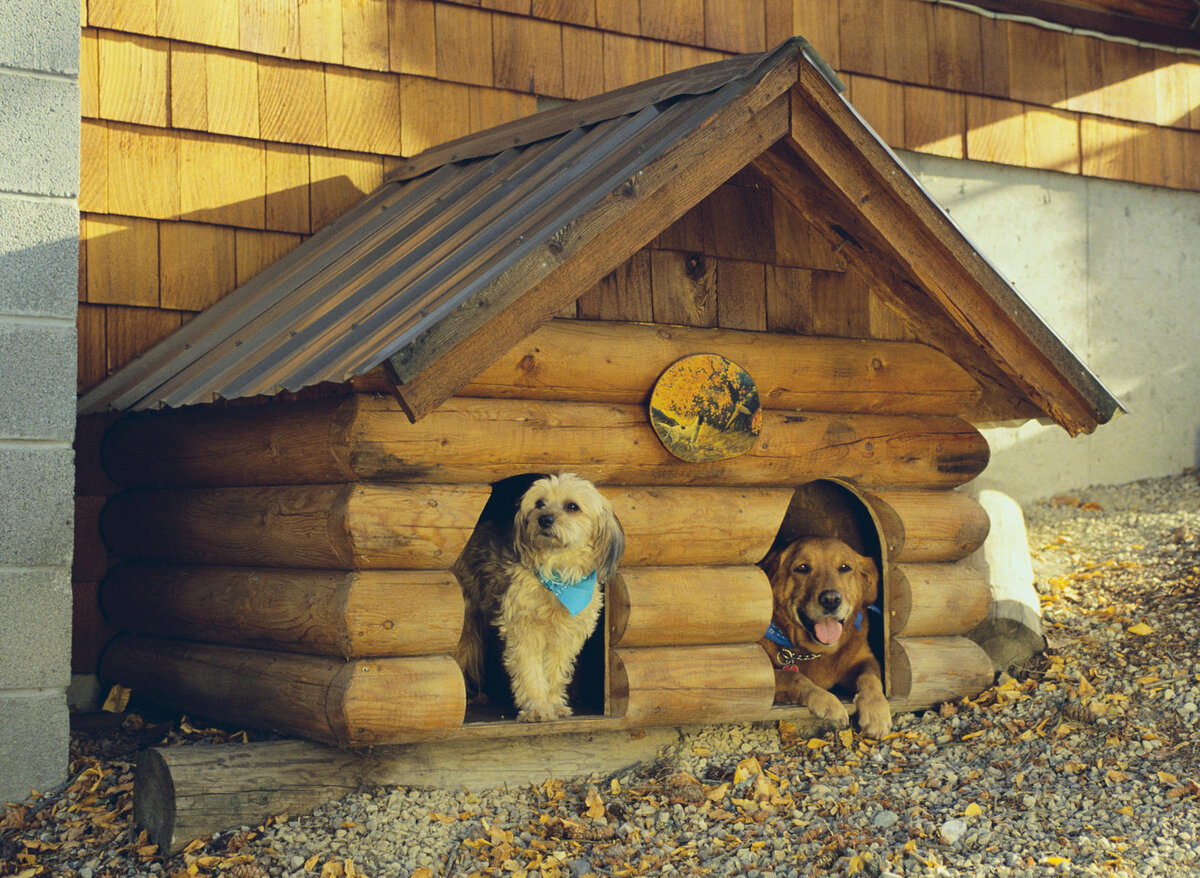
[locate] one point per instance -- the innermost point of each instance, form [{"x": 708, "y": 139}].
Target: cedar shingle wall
[{"x": 218, "y": 133}]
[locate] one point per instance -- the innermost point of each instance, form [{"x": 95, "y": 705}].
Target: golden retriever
[{"x": 823, "y": 591}]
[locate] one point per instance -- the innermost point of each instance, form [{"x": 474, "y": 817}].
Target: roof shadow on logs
[{"x": 472, "y": 245}]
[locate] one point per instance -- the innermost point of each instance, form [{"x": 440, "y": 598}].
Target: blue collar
[{"x": 575, "y": 596}]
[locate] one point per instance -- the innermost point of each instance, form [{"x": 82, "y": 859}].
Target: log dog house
[{"x": 503, "y": 305}]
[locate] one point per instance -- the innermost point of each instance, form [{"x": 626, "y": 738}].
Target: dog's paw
[
  {"x": 874, "y": 716},
  {"x": 827, "y": 706},
  {"x": 544, "y": 712}
]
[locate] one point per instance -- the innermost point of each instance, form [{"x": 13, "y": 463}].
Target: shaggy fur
[
  {"x": 563, "y": 527},
  {"x": 819, "y": 586}
]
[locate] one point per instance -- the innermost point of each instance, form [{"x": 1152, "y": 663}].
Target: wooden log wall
[
  {"x": 348, "y": 703},
  {"x": 309, "y": 543}
]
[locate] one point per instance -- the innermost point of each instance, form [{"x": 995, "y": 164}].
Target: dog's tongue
[{"x": 828, "y": 630}]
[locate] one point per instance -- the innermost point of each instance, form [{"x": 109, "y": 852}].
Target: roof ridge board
[
  {"x": 628, "y": 100},
  {"x": 612, "y": 179},
  {"x": 303, "y": 295},
  {"x": 545, "y": 159}
]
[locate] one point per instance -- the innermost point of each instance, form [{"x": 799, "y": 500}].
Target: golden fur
[
  {"x": 819, "y": 586},
  {"x": 564, "y": 527}
]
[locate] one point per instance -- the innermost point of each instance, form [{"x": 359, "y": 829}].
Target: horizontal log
[
  {"x": 620, "y": 362},
  {"x": 663, "y": 685},
  {"x": 324, "y": 526},
  {"x": 334, "y": 613},
  {"x": 936, "y": 599},
  {"x": 675, "y": 526},
  {"x": 347, "y": 703},
  {"x": 374, "y": 526},
  {"x": 685, "y": 606},
  {"x": 924, "y": 671},
  {"x": 364, "y": 438},
  {"x": 189, "y": 792},
  {"x": 938, "y": 525}
]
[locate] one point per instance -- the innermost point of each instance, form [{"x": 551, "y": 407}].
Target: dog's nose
[
  {"x": 829, "y": 600},
  {"x": 545, "y": 521}
]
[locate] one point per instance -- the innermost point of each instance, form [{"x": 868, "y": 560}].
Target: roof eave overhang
[{"x": 850, "y": 184}]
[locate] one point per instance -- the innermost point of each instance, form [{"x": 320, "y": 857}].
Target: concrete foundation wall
[
  {"x": 39, "y": 263},
  {"x": 1114, "y": 269}
]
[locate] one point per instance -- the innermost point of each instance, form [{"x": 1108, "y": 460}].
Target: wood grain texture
[
  {"x": 936, "y": 599},
  {"x": 350, "y": 704},
  {"x": 339, "y": 527},
  {"x": 480, "y": 440},
  {"x": 686, "y": 606},
  {"x": 929, "y": 670},
  {"x": 655, "y": 686},
  {"x": 189, "y": 792},
  {"x": 616, "y": 362},
  {"x": 332, "y": 613},
  {"x": 939, "y": 526}
]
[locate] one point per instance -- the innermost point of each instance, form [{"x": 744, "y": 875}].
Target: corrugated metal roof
[
  {"x": 427, "y": 240},
  {"x": 463, "y": 231}
]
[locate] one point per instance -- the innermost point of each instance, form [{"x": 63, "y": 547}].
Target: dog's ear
[
  {"x": 610, "y": 544},
  {"x": 521, "y": 542},
  {"x": 770, "y": 564},
  {"x": 870, "y": 580}
]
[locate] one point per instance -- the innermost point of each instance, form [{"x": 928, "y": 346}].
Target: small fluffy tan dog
[
  {"x": 818, "y": 639},
  {"x": 539, "y": 584}
]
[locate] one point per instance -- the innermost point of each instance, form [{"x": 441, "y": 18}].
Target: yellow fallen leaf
[
  {"x": 972, "y": 810},
  {"x": 1141, "y": 629},
  {"x": 718, "y": 793},
  {"x": 1086, "y": 688},
  {"x": 1055, "y": 861},
  {"x": 311, "y": 862},
  {"x": 817, "y": 743},
  {"x": 747, "y": 768},
  {"x": 595, "y": 804},
  {"x": 1166, "y": 777},
  {"x": 118, "y": 698},
  {"x": 1127, "y": 811},
  {"x": 857, "y": 863},
  {"x": 615, "y": 787},
  {"x": 910, "y": 847},
  {"x": 847, "y": 738}
]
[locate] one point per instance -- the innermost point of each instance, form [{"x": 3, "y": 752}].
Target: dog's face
[
  {"x": 819, "y": 585},
  {"x": 563, "y": 521}
]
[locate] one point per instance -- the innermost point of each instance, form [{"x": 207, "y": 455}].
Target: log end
[{"x": 154, "y": 801}]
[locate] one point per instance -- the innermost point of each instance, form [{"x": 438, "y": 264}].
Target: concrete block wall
[
  {"x": 39, "y": 264},
  {"x": 1114, "y": 269}
]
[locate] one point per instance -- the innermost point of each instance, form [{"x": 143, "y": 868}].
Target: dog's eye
[
  {"x": 802, "y": 568},
  {"x": 843, "y": 568},
  {"x": 571, "y": 506},
  {"x": 539, "y": 504}
]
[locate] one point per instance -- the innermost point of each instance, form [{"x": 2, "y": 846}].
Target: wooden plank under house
[{"x": 503, "y": 305}]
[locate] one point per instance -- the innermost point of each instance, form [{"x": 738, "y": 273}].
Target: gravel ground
[{"x": 1082, "y": 762}]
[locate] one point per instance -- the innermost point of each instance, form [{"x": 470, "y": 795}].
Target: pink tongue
[{"x": 828, "y": 630}]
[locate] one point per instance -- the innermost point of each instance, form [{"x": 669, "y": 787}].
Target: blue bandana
[{"x": 575, "y": 596}]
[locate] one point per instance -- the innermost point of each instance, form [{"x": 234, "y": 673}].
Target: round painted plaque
[{"x": 706, "y": 407}]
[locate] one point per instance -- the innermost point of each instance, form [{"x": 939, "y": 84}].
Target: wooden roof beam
[{"x": 904, "y": 225}]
